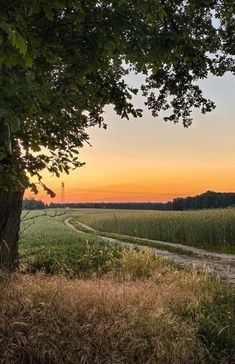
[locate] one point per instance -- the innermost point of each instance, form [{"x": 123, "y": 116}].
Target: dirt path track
[{"x": 221, "y": 264}]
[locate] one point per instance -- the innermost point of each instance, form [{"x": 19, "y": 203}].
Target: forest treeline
[{"x": 205, "y": 200}]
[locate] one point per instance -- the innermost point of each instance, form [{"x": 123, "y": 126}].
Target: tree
[{"x": 62, "y": 61}]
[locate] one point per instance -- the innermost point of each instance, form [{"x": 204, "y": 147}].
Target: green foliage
[
  {"x": 62, "y": 62},
  {"x": 81, "y": 259}
]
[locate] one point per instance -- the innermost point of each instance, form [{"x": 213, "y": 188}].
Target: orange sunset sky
[{"x": 147, "y": 159}]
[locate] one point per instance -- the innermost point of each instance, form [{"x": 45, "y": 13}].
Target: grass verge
[{"x": 137, "y": 241}]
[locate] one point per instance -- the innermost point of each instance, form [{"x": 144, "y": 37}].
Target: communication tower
[{"x": 62, "y": 194}]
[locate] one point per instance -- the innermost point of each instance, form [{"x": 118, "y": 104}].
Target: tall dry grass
[{"x": 56, "y": 320}]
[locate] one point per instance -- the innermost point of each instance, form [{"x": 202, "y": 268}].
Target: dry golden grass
[{"x": 56, "y": 320}]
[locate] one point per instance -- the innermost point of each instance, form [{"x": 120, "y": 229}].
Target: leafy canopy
[{"x": 62, "y": 61}]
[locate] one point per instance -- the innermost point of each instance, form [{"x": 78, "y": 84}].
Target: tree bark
[{"x": 10, "y": 211}]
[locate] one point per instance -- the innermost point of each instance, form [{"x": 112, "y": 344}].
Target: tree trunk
[{"x": 10, "y": 211}]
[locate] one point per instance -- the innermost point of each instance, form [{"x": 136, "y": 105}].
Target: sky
[{"x": 147, "y": 159}]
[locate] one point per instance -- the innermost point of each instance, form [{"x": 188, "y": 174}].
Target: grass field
[
  {"x": 46, "y": 244},
  {"x": 121, "y": 305},
  {"x": 209, "y": 229}
]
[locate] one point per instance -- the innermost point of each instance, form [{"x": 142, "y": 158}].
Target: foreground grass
[
  {"x": 212, "y": 230},
  {"x": 169, "y": 317},
  {"x": 127, "y": 306}
]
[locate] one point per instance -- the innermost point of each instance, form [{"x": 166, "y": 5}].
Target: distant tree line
[
  {"x": 206, "y": 200},
  {"x": 32, "y": 204},
  {"x": 114, "y": 205}
]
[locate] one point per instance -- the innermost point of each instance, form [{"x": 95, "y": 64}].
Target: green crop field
[
  {"x": 210, "y": 229},
  {"x": 47, "y": 245}
]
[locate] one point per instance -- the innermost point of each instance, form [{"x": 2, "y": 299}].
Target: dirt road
[{"x": 219, "y": 264}]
